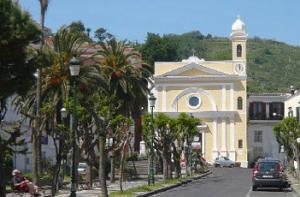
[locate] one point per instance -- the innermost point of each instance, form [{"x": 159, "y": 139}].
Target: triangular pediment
[{"x": 193, "y": 69}]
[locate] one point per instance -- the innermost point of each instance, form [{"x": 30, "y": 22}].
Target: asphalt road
[{"x": 225, "y": 182}]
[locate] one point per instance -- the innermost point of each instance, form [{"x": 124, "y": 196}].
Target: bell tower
[{"x": 239, "y": 40}]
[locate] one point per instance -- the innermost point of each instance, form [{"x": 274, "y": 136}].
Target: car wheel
[
  {"x": 217, "y": 165},
  {"x": 281, "y": 189},
  {"x": 254, "y": 188},
  {"x": 231, "y": 166}
]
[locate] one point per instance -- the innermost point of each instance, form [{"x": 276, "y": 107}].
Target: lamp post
[
  {"x": 64, "y": 114},
  {"x": 74, "y": 70},
  {"x": 152, "y": 100}
]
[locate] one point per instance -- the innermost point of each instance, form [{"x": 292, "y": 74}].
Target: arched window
[
  {"x": 240, "y": 103},
  {"x": 239, "y": 50}
]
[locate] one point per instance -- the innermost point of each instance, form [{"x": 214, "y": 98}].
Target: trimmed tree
[{"x": 17, "y": 31}]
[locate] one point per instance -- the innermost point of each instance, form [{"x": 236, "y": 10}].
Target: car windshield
[
  {"x": 81, "y": 165},
  {"x": 267, "y": 166}
]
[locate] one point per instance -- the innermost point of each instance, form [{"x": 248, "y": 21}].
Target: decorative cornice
[
  {"x": 190, "y": 66},
  {"x": 207, "y": 114},
  {"x": 199, "y": 78}
]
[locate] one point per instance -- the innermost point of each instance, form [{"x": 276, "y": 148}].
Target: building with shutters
[{"x": 265, "y": 110}]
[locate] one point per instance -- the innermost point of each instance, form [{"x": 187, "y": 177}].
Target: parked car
[
  {"x": 268, "y": 173},
  {"x": 82, "y": 167},
  {"x": 224, "y": 162}
]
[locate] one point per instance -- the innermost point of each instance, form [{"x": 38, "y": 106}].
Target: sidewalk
[
  {"x": 95, "y": 192},
  {"x": 295, "y": 184}
]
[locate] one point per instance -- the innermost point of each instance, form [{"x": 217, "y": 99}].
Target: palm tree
[
  {"x": 127, "y": 76},
  {"x": 36, "y": 132},
  {"x": 55, "y": 87},
  {"x": 127, "y": 79}
]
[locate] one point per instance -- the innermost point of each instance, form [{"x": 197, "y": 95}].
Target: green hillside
[{"x": 271, "y": 66}]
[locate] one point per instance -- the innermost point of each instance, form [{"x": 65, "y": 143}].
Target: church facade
[{"x": 215, "y": 92}]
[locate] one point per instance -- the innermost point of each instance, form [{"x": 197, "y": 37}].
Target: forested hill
[{"x": 271, "y": 66}]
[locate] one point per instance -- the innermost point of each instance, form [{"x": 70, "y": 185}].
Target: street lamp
[
  {"x": 152, "y": 100},
  {"x": 63, "y": 113},
  {"x": 74, "y": 71}
]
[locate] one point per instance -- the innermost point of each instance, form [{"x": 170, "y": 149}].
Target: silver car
[{"x": 224, "y": 162}]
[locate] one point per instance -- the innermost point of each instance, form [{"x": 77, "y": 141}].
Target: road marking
[{"x": 249, "y": 192}]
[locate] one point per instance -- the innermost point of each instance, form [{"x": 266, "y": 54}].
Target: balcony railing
[{"x": 264, "y": 117}]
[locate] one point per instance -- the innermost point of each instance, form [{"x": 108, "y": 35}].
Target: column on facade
[
  {"x": 267, "y": 110},
  {"x": 231, "y": 96},
  {"x": 164, "y": 99},
  {"x": 215, "y": 140},
  {"x": 223, "y": 97},
  {"x": 232, "y": 139},
  {"x": 224, "y": 138}
]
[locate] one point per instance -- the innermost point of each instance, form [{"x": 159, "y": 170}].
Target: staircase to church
[{"x": 137, "y": 169}]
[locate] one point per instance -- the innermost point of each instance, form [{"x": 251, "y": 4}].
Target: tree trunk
[
  {"x": 35, "y": 153},
  {"x": 298, "y": 161},
  {"x": 57, "y": 167},
  {"x": 89, "y": 176},
  {"x": 102, "y": 176},
  {"x": 122, "y": 166},
  {"x": 55, "y": 176},
  {"x": 2, "y": 183},
  {"x": 112, "y": 167},
  {"x": 176, "y": 158},
  {"x": 169, "y": 168},
  {"x": 165, "y": 166}
]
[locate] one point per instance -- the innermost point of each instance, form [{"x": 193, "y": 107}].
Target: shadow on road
[{"x": 266, "y": 189}]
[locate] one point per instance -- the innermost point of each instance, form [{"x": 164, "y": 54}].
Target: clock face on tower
[{"x": 239, "y": 68}]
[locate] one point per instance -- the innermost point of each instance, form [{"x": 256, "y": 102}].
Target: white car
[
  {"x": 82, "y": 167},
  {"x": 224, "y": 162}
]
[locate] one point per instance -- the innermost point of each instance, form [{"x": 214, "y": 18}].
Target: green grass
[
  {"x": 67, "y": 179},
  {"x": 145, "y": 188}
]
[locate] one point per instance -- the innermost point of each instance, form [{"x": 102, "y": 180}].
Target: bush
[{"x": 28, "y": 176}]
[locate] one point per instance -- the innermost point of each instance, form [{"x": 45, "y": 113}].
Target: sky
[{"x": 132, "y": 19}]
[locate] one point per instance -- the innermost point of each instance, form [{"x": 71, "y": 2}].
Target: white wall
[
  {"x": 21, "y": 161},
  {"x": 269, "y": 143}
]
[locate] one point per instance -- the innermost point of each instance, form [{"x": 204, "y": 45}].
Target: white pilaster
[
  {"x": 267, "y": 110},
  {"x": 231, "y": 96},
  {"x": 223, "y": 97},
  {"x": 156, "y": 101},
  {"x": 164, "y": 99},
  {"x": 224, "y": 138},
  {"x": 215, "y": 140},
  {"x": 232, "y": 139}
]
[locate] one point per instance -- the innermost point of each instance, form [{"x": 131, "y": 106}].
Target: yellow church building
[{"x": 215, "y": 92}]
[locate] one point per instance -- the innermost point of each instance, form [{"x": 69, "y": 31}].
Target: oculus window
[{"x": 194, "y": 102}]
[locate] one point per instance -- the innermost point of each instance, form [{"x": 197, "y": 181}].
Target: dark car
[{"x": 268, "y": 173}]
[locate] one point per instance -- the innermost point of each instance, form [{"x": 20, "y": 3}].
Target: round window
[{"x": 194, "y": 102}]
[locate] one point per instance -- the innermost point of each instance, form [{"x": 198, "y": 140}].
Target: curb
[
  {"x": 292, "y": 185},
  {"x": 295, "y": 191},
  {"x": 175, "y": 185}
]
